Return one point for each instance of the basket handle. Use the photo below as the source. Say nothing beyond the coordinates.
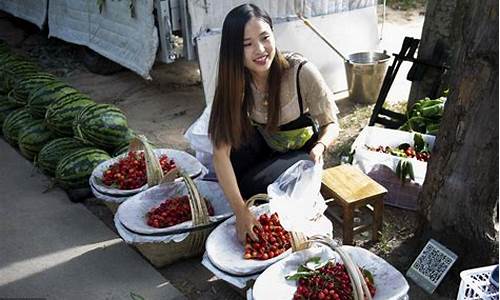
(262, 197)
(298, 239)
(153, 168)
(359, 287)
(198, 206)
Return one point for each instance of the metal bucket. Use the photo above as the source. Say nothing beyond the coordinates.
(365, 73)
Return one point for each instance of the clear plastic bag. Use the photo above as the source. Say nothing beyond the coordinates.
(296, 197)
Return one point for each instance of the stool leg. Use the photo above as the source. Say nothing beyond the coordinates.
(378, 217)
(347, 225)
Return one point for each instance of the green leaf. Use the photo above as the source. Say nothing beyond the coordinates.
(298, 275)
(302, 269)
(315, 259)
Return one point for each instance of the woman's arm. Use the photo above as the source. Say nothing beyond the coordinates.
(245, 220)
(327, 134)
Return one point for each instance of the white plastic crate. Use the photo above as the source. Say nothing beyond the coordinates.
(476, 284)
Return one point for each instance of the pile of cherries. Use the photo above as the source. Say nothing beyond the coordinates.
(130, 172)
(329, 282)
(273, 239)
(173, 211)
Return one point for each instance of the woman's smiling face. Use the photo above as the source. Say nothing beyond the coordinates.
(258, 46)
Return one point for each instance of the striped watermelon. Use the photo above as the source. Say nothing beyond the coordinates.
(14, 70)
(23, 87)
(13, 123)
(74, 169)
(61, 114)
(104, 125)
(32, 137)
(45, 95)
(6, 108)
(4, 47)
(50, 155)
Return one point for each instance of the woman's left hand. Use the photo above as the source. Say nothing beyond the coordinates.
(317, 151)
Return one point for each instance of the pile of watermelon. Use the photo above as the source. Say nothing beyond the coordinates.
(63, 131)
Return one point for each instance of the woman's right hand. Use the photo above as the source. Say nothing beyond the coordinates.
(245, 222)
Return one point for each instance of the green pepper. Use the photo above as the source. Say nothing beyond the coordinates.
(428, 102)
(434, 110)
(417, 124)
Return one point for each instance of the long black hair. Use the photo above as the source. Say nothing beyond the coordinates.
(229, 122)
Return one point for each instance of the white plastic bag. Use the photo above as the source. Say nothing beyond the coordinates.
(197, 133)
(296, 197)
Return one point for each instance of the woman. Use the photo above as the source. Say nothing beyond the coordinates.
(260, 123)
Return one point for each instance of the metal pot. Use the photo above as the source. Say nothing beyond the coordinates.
(365, 73)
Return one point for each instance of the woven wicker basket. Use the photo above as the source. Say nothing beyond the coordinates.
(161, 254)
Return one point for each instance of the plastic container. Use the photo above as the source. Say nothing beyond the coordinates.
(476, 284)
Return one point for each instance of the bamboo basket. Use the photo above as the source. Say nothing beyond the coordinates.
(162, 254)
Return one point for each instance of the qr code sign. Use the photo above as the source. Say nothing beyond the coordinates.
(431, 265)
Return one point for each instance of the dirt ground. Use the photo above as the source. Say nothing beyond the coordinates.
(163, 109)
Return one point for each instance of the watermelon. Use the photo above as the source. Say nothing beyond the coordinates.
(74, 169)
(61, 114)
(6, 108)
(39, 99)
(4, 47)
(50, 155)
(104, 125)
(23, 87)
(13, 70)
(32, 137)
(8, 83)
(13, 123)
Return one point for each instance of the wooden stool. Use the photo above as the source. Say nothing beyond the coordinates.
(352, 189)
